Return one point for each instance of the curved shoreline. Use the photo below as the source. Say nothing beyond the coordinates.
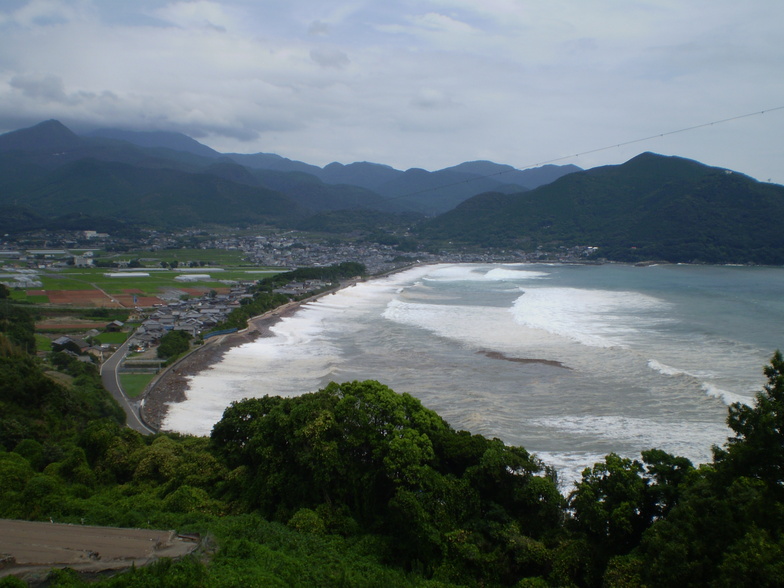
(171, 384)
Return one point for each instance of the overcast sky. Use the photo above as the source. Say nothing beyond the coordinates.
(410, 83)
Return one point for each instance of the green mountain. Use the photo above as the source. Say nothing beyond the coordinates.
(153, 197)
(48, 171)
(413, 190)
(158, 139)
(436, 192)
(651, 207)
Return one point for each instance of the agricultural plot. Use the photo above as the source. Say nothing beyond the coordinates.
(221, 257)
(112, 338)
(133, 384)
(107, 288)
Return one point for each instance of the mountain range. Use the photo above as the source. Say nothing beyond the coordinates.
(140, 176)
(651, 207)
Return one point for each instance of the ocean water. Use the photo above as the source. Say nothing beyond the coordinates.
(569, 361)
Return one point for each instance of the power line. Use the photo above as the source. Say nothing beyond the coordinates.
(614, 146)
(683, 130)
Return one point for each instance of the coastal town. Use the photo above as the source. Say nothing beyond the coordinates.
(196, 297)
(272, 248)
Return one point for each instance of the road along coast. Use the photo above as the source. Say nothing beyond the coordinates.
(170, 386)
(172, 383)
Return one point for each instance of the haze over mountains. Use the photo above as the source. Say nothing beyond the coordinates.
(651, 207)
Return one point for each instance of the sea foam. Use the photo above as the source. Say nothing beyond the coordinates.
(701, 379)
(598, 318)
(463, 273)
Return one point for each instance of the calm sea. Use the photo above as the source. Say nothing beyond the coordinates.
(569, 361)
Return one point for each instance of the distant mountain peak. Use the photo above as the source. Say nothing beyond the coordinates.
(157, 139)
(47, 137)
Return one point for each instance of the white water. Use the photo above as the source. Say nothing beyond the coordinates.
(652, 356)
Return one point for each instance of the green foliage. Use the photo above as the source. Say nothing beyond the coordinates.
(396, 468)
(651, 207)
(370, 488)
(332, 273)
(174, 343)
(727, 525)
(265, 300)
(17, 325)
(260, 303)
(757, 450)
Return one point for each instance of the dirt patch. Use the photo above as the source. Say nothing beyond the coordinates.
(31, 547)
(81, 298)
(128, 301)
(69, 323)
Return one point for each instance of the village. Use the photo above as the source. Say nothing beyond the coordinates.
(186, 305)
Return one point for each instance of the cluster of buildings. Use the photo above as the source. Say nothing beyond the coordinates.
(195, 316)
(272, 248)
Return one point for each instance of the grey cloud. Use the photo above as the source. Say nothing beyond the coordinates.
(318, 27)
(243, 134)
(327, 57)
(49, 87)
(431, 100)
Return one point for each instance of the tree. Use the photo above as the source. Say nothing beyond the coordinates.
(727, 525)
(448, 500)
(173, 343)
(610, 503)
(757, 449)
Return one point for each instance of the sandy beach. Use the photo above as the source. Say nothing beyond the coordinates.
(172, 383)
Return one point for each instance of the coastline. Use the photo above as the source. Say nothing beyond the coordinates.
(171, 384)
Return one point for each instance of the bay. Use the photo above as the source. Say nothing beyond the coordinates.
(569, 361)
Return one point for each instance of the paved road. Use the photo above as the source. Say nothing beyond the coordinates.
(111, 381)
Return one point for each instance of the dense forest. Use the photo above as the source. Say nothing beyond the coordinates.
(356, 485)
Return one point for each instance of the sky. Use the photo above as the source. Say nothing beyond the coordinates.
(411, 83)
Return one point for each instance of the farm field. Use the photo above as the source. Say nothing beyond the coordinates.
(134, 384)
(221, 257)
(143, 287)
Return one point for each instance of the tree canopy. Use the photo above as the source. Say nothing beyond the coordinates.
(358, 485)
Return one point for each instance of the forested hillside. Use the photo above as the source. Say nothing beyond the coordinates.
(356, 485)
(650, 208)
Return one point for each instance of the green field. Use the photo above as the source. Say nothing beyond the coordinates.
(222, 257)
(43, 343)
(117, 338)
(156, 282)
(19, 295)
(134, 384)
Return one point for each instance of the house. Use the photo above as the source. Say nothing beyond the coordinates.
(114, 326)
(75, 346)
